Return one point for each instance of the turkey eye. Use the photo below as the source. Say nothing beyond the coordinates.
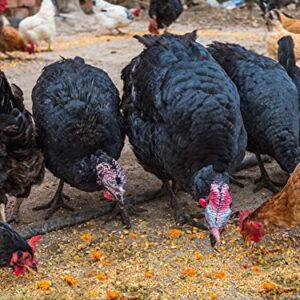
(118, 180)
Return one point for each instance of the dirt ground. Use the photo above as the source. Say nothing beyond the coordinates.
(155, 259)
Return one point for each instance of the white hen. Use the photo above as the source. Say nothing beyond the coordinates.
(41, 26)
(112, 17)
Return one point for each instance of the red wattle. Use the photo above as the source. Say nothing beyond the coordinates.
(107, 195)
(202, 202)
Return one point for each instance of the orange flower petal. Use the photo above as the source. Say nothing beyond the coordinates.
(70, 280)
(43, 285)
(87, 237)
(200, 235)
(219, 275)
(148, 274)
(198, 256)
(102, 276)
(175, 232)
(112, 294)
(256, 269)
(189, 272)
(268, 286)
(133, 235)
(96, 255)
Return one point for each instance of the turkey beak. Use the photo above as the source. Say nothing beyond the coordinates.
(119, 195)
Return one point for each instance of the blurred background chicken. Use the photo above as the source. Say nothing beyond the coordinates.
(113, 17)
(275, 32)
(281, 211)
(289, 23)
(10, 40)
(163, 13)
(41, 26)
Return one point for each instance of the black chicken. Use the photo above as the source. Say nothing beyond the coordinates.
(269, 105)
(163, 13)
(184, 122)
(15, 251)
(286, 58)
(21, 162)
(76, 109)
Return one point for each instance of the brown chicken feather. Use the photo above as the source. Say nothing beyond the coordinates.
(289, 23)
(280, 212)
(10, 39)
(275, 32)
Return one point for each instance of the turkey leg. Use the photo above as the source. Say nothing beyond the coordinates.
(264, 181)
(180, 215)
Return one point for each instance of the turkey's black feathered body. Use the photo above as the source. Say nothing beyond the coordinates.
(165, 11)
(269, 102)
(182, 113)
(10, 242)
(286, 58)
(21, 161)
(76, 110)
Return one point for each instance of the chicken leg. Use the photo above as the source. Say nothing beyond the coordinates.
(56, 203)
(181, 216)
(264, 181)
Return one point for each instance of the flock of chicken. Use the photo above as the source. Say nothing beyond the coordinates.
(39, 28)
(190, 113)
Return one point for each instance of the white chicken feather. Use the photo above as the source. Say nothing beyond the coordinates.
(113, 17)
(41, 26)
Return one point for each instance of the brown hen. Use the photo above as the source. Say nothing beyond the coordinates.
(10, 40)
(289, 23)
(275, 32)
(282, 211)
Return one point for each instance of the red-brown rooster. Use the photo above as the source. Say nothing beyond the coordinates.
(15, 251)
(280, 212)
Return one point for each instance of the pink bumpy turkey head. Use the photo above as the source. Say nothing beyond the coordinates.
(112, 178)
(21, 261)
(217, 209)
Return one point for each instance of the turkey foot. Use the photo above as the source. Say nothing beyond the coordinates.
(181, 216)
(264, 181)
(119, 210)
(56, 203)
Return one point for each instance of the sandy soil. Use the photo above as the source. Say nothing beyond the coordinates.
(148, 261)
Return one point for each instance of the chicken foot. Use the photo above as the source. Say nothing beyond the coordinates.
(56, 203)
(181, 216)
(264, 181)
